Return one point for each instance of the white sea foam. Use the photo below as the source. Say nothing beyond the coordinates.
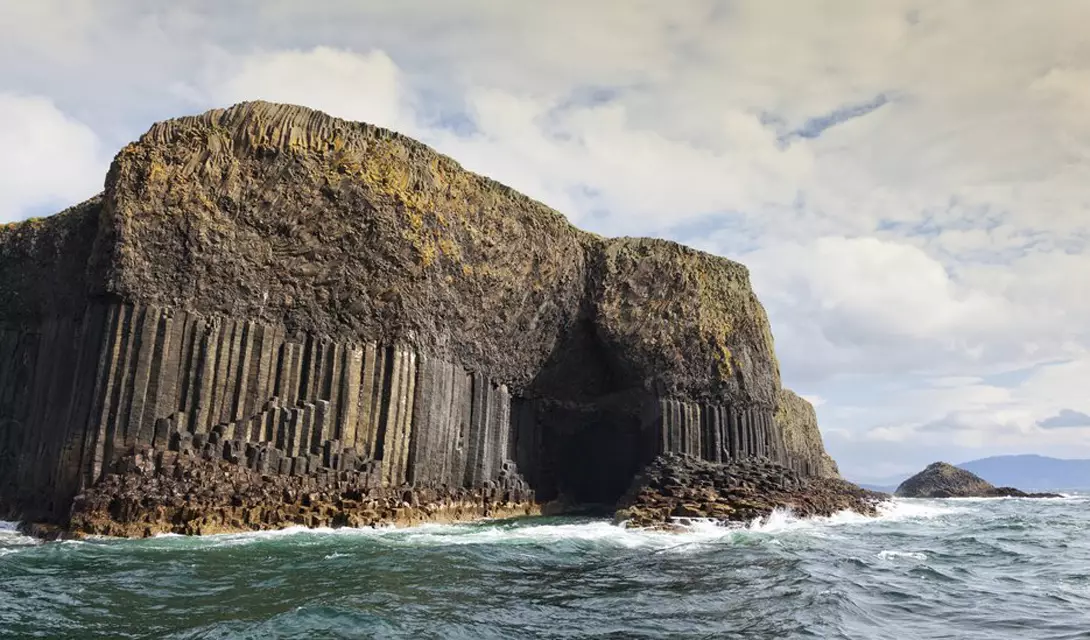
(783, 520)
(12, 540)
(693, 531)
(892, 554)
(584, 532)
(901, 509)
(1062, 497)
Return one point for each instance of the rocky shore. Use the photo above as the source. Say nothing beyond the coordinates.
(944, 480)
(676, 487)
(194, 494)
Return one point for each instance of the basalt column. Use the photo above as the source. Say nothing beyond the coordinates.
(80, 394)
(718, 433)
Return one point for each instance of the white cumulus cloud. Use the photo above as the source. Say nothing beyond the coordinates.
(49, 160)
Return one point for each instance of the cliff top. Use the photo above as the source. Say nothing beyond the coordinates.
(286, 215)
(275, 127)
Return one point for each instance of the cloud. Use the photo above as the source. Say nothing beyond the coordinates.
(816, 126)
(49, 161)
(587, 157)
(905, 179)
(847, 306)
(362, 87)
(1066, 418)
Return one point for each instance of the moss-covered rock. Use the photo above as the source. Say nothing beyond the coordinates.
(284, 214)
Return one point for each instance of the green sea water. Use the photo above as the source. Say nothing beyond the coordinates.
(1002, 568)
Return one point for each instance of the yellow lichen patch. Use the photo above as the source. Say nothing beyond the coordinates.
(450, 249)
(427, 254)
(725, 360)
(157, 172)
(203, 198)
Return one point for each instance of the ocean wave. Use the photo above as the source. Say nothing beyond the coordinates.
(538, 531)
(894, 510)
(530, 532)
(912, 509)
(563, 531)
(1073, 498)
(892, 554)
(908, 572)
(12, 540)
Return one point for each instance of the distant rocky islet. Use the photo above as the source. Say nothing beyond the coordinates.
(944, 480)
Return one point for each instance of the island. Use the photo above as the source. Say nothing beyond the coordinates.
(944, 480)
(273, 317)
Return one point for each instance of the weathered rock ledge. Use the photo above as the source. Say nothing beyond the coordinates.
(197, 493)
(944, 480)
(676, 487)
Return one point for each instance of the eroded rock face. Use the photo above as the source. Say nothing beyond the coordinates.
(943, 480)
(296, 282)
(678, 487)
(805, 450)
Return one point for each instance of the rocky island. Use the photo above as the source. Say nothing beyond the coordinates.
(944, 480)
(273, 317)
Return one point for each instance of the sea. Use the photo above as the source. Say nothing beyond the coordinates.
(965, 568)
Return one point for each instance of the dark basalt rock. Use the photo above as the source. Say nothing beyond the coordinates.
(674, 488)
(326, 294)
(943, 480)
(169, 492)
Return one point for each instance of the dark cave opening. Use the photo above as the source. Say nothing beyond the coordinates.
(595, 434)
(591, 454)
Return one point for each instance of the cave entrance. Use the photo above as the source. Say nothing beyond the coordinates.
(591, 453)
(595, 428)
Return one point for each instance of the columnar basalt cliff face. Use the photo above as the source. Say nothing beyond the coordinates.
(805, 451)
(273, 288)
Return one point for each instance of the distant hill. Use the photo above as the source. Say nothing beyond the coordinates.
(1026, 472)
(1032, 472)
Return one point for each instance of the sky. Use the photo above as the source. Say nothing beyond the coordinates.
(908, 181)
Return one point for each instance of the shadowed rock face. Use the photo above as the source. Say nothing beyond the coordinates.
(305, 295)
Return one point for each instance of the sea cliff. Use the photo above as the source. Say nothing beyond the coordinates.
(337, 312)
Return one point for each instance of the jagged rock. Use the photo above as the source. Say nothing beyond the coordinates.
(675, 487)
(330, 292)
(944, 480)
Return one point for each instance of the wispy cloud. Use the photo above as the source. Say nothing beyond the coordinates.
(1066, 418)
(818, 125)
